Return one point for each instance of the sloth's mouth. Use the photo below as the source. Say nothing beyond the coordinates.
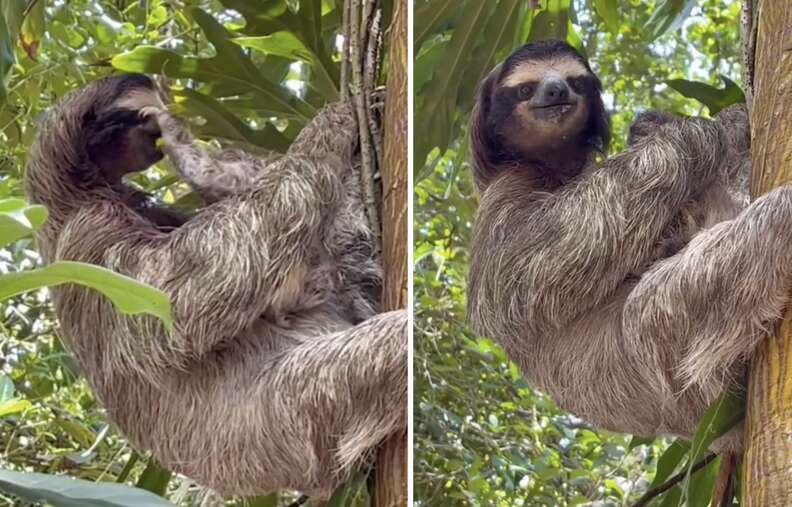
(553, 112)
(562, 106)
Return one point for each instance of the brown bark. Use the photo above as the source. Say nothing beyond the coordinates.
(391, 472)
(767, 472)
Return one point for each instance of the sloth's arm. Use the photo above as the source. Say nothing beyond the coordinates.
(331, 135)
(222, 269)
(537, 264)
(333, 132)
(213, 176)
(719, 294)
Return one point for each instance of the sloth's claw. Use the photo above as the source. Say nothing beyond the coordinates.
(148, 111)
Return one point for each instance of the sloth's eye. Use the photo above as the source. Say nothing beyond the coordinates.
(526, 91)
(577, 84)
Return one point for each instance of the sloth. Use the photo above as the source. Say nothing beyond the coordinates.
(635, 290)
(232, 396)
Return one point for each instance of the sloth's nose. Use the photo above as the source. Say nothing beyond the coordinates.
(552, 92)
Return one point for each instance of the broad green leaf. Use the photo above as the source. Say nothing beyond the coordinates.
(230, 65)
(608, 11)
(638, 441)
(154, 478)
(13, 406)
(63, 491)
(497, 39)
(700, 485)
(672, 497)
(284, 44)
(287, 45)
(427, 61)
(76, 430)
(714, 98)
(435, 117)
(721, 416)
(431, 17)
(668, 16)
(128, 295)
(229, 53)
(222, 123)
(669, 461)
(18, 219)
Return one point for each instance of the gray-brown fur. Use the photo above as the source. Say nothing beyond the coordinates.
(571, 278)
(279, 373)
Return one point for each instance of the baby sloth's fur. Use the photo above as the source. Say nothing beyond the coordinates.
(279, 372)
(633, 291)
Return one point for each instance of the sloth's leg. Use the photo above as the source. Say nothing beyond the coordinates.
(717, 298)
(330, 400)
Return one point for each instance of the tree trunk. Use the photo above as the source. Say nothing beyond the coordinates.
(767, 472)
(391, 467)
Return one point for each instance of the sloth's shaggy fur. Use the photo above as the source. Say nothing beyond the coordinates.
(634, 291)
(279, 373)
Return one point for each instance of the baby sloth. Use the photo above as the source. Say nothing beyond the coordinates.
(231, 397)
(633, 291)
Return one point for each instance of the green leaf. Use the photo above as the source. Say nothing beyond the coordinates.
(76, 430)
(714, 98)
(498, 35)
(699, 488)
(18, 220)
(63, 491)
(345, 493)
(668, 16)
(672, 498)
(230, 66)
(434, 125)
(222, 123)
(636, 441)
(32, 29)
(154, 478)
(13, 406)
(669, 461)
(287, 45)
(128, 295)
(431, 17)
(608, 11)
(10, 21)
(721, 416)
(551, 23)
(262, 501)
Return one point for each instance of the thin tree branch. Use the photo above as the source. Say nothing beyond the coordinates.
(367, 164)
(673, 481)
(370, 71)
(345, 50)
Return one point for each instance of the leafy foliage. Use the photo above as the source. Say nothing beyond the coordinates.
(483, 436)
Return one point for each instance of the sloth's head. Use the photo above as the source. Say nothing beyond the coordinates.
(542, 107)
(116, 138)
(92, 137)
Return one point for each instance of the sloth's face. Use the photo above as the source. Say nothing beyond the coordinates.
(121, 140)
(542, 106)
